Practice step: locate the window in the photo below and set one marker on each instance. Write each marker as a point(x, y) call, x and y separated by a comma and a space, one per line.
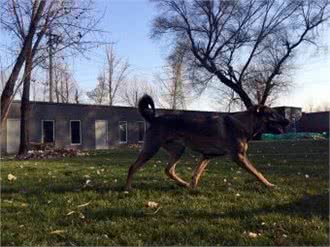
point(141, 130)
point(48, 131)
point(123, 132)
point(75, 131)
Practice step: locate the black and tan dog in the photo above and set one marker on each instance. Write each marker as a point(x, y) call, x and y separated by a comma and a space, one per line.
point(211, 136)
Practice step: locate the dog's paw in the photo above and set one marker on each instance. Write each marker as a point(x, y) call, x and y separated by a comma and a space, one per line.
point(270, 185)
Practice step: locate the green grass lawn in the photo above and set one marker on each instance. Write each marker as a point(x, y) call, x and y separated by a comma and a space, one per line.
point(50, 203)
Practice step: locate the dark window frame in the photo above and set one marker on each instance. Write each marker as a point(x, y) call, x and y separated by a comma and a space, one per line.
point(126, 130)
point(43, 131)
point(80, 132)
point(144, 131)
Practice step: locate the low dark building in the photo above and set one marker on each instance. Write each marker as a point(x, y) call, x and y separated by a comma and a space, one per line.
point(99, 127)
point(314, 122)
point(77, 125)
point(293, 114)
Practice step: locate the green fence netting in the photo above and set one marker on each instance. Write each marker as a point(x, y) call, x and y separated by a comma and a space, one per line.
point(299, 135)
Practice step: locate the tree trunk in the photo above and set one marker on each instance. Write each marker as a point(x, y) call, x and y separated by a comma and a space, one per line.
point(62, 91)
point(57, 92)
point(67, 90)
point(50, 50)
point(8, 91)
point(236, 88)
point(25, 104)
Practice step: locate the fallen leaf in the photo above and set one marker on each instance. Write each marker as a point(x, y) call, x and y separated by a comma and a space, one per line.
point(11, 177)
point(151, 204)
point(84, 205)
point(57, 232)
point(250, 234)
point(88, 181)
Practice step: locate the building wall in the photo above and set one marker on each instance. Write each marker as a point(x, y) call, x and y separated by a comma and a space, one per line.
point(87, 114)
point(314, 122)
point(293, 114)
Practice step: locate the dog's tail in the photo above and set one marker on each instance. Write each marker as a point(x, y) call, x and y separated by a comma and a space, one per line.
point(148, 113)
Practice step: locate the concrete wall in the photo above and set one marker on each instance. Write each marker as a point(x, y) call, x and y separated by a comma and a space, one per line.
point(293, 114)
point(314, 122)
point(87, 114)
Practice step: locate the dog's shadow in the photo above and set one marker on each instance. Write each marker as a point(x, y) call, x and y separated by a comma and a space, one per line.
point(317, 205)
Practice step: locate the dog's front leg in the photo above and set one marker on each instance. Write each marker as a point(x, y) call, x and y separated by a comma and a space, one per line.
point(243, 161)
point(198, 172)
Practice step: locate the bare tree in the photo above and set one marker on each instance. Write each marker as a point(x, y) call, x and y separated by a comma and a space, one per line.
point(30, 22)
point(65, 85)
point(241, 43)
point(111, 80)
point(2, 78)
point(134, 89)
point(322, 106)
point(99, 95)
point(174, 85)
point(116, 74)
point(12, 19)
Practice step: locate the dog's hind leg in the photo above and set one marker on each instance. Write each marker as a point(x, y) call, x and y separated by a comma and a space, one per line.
point(198, 172)
point(149, 150)
point(175, 151)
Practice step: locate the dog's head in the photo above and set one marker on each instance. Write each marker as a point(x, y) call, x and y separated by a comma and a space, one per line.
point(270, 119)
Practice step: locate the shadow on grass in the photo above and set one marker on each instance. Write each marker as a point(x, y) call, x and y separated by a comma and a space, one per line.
point(317, 205)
